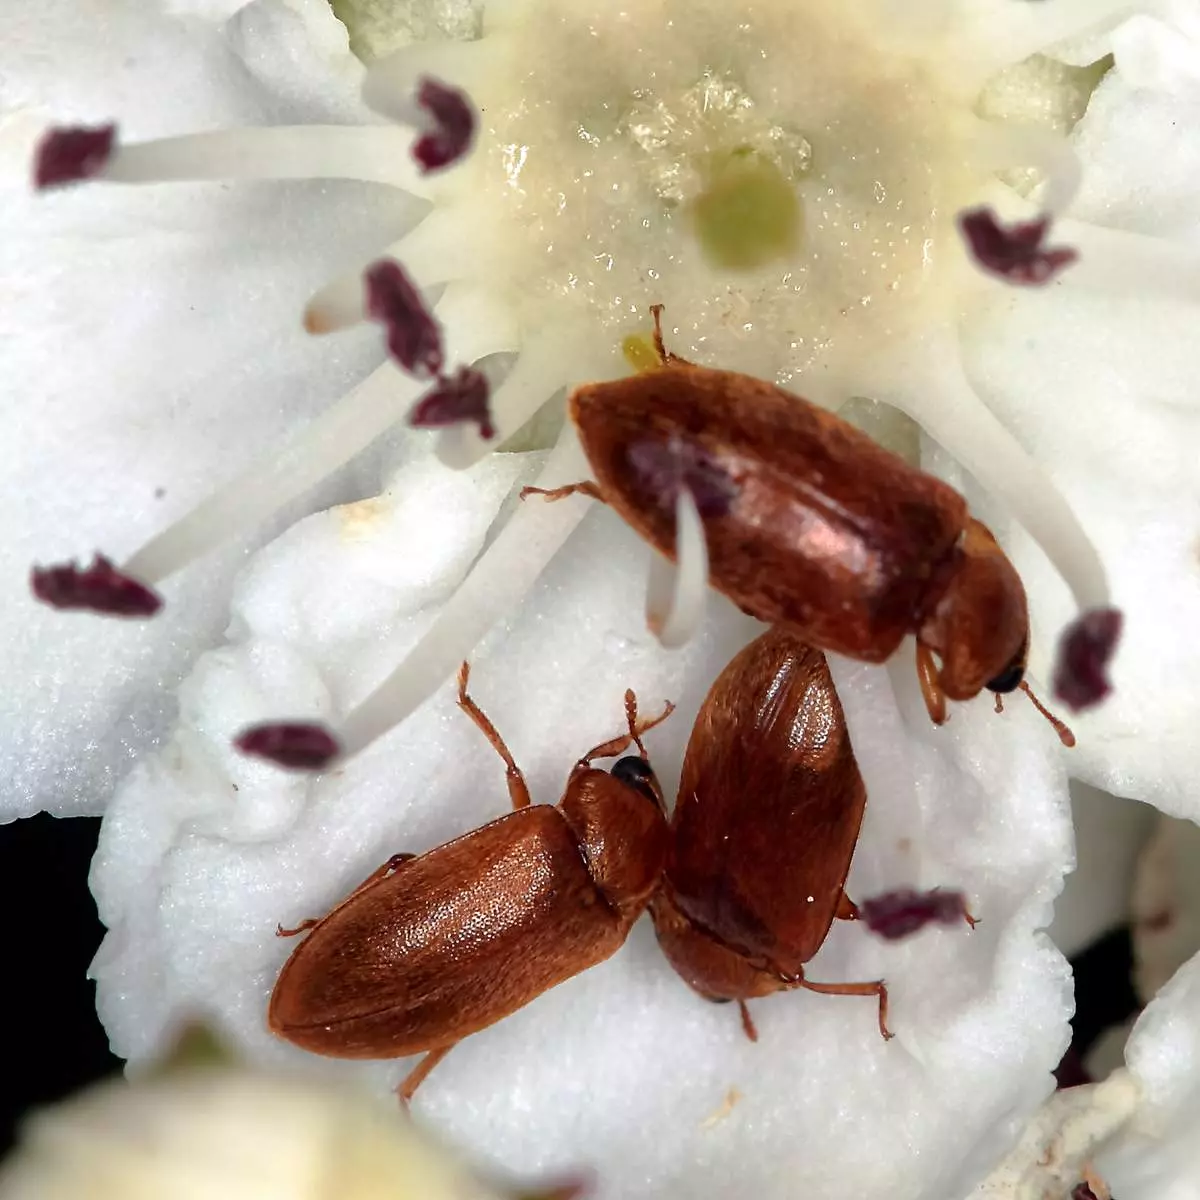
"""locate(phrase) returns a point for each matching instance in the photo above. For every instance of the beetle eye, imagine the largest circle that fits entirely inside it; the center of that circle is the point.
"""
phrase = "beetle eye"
(1008, 680)
(637, 773)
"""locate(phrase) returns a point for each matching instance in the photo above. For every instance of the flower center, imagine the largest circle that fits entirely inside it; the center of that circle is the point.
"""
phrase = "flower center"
(642, 147)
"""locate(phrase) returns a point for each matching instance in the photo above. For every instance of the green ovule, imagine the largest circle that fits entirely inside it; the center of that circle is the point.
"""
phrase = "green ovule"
(196, 1047)
(748, 213)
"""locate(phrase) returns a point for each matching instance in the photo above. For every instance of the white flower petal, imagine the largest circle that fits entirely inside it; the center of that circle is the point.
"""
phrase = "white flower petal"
(152, 342)
(1154, 1158)
(621, 1068)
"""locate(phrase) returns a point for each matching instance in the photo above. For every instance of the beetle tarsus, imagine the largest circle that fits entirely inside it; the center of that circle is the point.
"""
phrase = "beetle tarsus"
(518, 789)
(303, 927)
(847, 910)
(585, 487)
(875, 988)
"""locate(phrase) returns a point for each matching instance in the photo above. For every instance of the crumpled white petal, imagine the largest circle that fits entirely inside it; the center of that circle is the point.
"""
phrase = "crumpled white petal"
(151, 347)
(623, 1069)
(1154, 1157)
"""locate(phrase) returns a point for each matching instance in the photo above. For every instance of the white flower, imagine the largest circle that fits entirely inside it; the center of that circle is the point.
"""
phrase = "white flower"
(227, 1133)
(122, 411)
(357, 616)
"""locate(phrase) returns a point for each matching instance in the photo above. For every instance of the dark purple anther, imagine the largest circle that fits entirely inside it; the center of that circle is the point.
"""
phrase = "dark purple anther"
(664, 467)
(100, 588)
(1084, 651)
(1014, 252)
(297, 745)
(455, 398)
(413, 336)
(898, 913)
(71, 154)
(453, 125)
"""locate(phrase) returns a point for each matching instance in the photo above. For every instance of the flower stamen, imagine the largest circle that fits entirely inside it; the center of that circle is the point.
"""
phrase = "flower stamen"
(100, 588)
(293, 745)
(902, 912)
(1016, 253)
(413, 336)
(72, 154)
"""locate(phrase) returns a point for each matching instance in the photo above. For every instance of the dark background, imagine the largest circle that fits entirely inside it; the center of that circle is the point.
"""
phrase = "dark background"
(51, 932)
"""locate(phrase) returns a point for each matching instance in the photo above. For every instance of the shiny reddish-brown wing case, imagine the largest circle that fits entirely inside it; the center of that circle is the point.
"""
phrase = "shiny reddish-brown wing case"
(828, 532)
(459, 930)
(770, 803)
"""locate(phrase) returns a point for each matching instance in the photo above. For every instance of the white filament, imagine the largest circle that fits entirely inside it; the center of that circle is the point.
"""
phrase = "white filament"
(937, 395)
(475, 327)
(436, 251)
(538, 373)
(675, 592)
(1003, 147)
(370, 153)
(312, 453)
(496, 586)
(391, 83)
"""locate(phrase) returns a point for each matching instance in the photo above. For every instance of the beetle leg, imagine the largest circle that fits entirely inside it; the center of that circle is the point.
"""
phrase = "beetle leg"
(877, 988)
(660, 348)
(303, 927)
(748, 1026)
(417, 1076)
(585, 487)
(931, 689)
(518, 789)
(847, 910)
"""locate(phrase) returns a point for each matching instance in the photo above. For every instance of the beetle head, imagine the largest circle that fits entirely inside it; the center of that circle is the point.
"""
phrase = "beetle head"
(980, 626)
(1013, 675)
(637, 773)
(619, 824)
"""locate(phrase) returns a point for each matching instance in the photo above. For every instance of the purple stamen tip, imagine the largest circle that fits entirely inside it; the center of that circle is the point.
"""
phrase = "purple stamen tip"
(413, 336)
(460, 397)
(1014, 252)
(71, 154)
(901, 912)
(664, 467)
(453, 125)
(100, 588)
(296, 745)
(1084, 651)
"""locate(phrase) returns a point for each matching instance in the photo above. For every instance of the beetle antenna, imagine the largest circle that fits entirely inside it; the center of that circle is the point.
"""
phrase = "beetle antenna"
(1060, 727)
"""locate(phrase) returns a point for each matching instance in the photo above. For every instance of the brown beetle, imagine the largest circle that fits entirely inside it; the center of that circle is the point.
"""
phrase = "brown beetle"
(435, 947)
(808, 522)
(763, 832)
